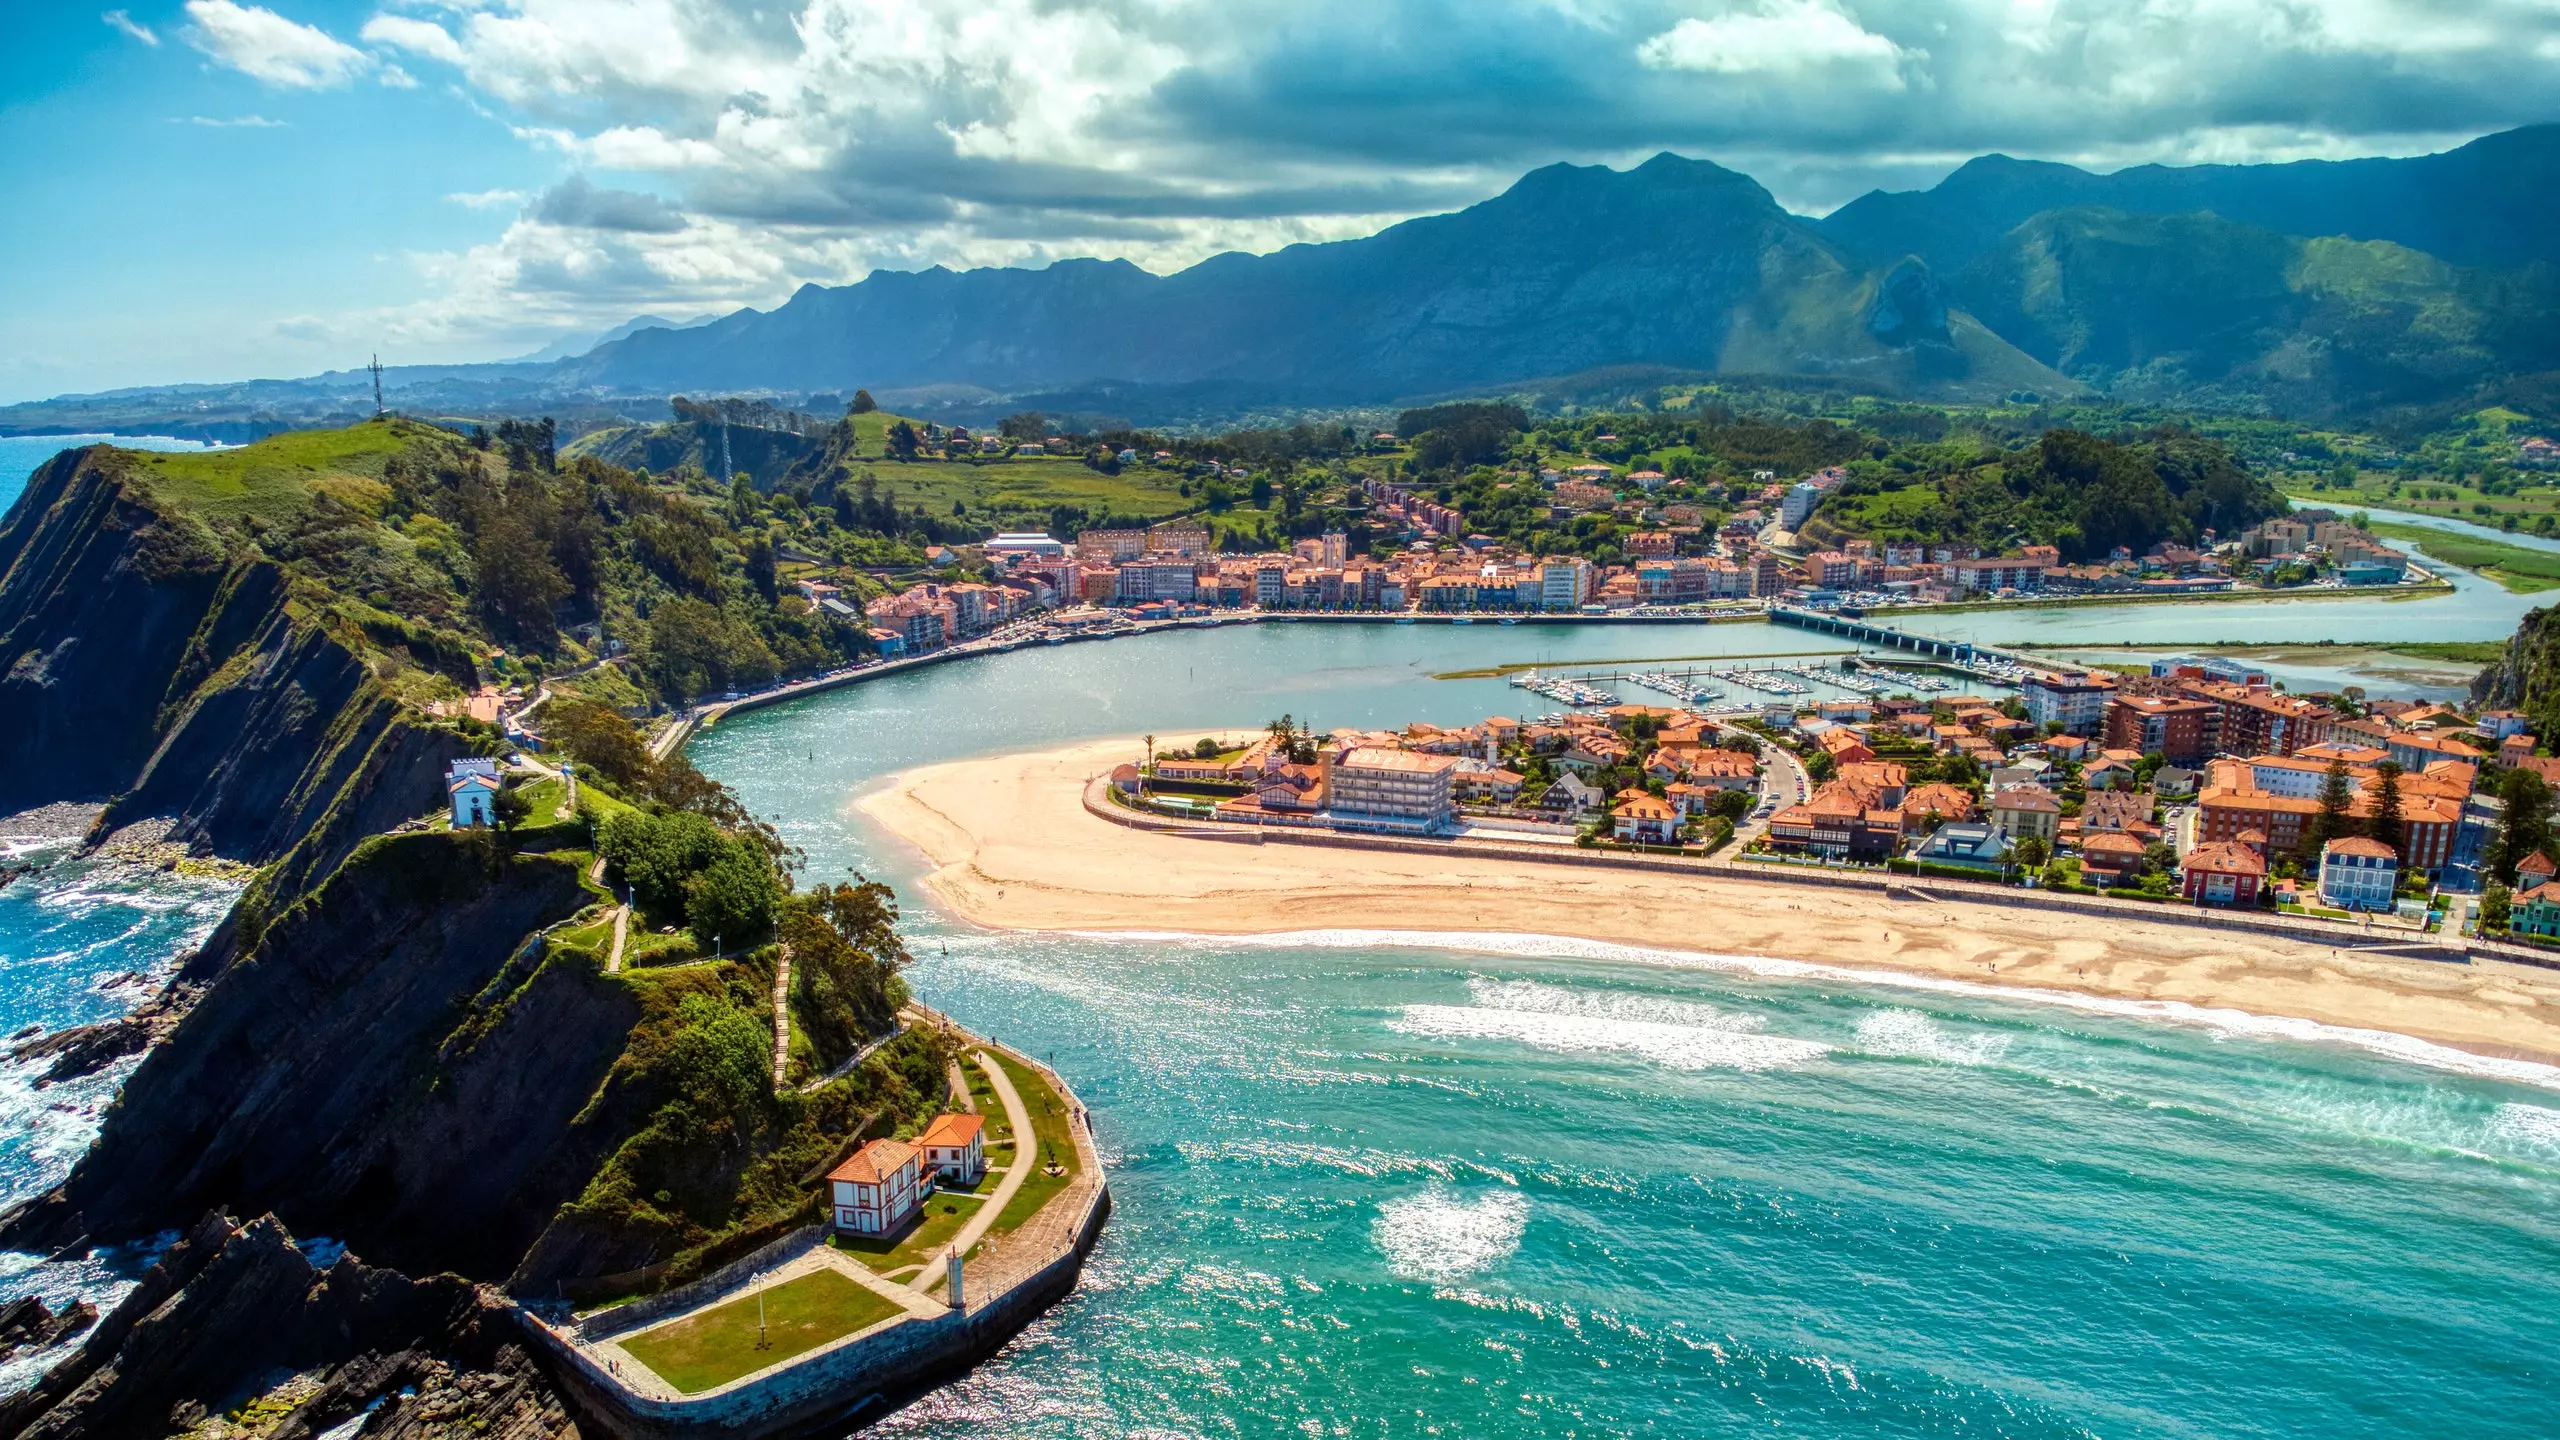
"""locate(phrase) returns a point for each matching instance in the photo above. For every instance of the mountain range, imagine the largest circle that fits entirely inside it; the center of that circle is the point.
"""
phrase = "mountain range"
(2317, 289)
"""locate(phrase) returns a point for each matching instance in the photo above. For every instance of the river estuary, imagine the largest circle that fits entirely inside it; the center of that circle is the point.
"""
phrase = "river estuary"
(1372, 1188)
(1368, 1187)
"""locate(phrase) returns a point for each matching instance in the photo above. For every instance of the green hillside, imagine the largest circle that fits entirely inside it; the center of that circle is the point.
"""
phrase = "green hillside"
(2200, 308)
(439, 546)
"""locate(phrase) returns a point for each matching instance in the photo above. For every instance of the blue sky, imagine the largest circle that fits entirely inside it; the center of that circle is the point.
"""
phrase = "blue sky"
(214, 189)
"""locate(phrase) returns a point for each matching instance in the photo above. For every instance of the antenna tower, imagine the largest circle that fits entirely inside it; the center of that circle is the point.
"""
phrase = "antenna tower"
(376, 368)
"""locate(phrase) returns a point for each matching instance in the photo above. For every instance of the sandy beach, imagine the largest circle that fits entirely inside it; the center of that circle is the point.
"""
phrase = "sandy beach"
(1013, 848)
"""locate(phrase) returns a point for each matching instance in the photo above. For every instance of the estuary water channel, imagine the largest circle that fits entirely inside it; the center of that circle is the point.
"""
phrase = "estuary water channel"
(1371, 1184)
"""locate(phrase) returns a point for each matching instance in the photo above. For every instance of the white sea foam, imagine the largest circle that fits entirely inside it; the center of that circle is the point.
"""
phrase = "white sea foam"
(1684, 1034)
(1908, 1032)
(1435, 1236)
(2529, 1128)
(2406, 1048)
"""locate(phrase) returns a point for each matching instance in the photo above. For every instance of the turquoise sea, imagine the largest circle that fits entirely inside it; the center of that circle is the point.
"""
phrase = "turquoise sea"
(1376, 1185)
(1371, 1186)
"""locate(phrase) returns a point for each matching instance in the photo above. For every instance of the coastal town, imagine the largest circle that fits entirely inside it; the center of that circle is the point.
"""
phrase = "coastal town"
(1678, 565)
(2200, 782)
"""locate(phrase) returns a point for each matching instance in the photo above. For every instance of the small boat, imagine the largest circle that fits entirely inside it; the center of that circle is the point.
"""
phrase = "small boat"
(1407, 620)
(1462, 620)
(1509, 622)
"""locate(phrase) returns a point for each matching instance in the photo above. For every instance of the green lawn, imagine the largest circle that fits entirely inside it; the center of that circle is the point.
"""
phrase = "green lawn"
(1886, 515)
(1053, 1140)
(719, 1345)
(2518, 568)
(274, 478)
(595, 935)
(982, 1096)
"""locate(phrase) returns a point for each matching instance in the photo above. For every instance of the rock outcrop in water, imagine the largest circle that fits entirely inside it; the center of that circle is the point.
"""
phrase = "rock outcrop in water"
(430, 1358)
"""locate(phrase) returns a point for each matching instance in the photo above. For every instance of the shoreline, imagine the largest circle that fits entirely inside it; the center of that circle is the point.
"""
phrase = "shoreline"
(1012, 847)
(683, 725)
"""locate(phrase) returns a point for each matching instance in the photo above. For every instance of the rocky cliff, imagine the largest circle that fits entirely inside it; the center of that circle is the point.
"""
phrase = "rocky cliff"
(381, 1044)
(231, 1302)
(2527, 677)
(142, 664)
(391, 1062)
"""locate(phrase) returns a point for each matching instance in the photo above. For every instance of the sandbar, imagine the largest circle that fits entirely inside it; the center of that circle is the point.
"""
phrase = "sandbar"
(1013, 848)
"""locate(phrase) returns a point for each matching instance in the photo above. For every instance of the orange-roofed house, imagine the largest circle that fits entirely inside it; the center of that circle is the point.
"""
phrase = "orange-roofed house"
(2534, 869)
(2111, 857)
(956, 1146)
(1846, 746)
(1925, 807)
(878, 1189)
(2227, 872)
(1725, 769)
(1645, 820)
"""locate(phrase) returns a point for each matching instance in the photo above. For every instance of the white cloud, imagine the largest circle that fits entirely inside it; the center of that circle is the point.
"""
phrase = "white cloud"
(241, 122)
(395, 78)
(815, 140)
(270, 49)
(645, 147)
(419, 37)
(1785, 38)
(130, 26)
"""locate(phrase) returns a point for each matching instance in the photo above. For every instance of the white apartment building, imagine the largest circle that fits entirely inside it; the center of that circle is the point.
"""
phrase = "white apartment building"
(1157, 580)
(1798, 506)
(1394, 788)
(2079, 703)
(1564, 584)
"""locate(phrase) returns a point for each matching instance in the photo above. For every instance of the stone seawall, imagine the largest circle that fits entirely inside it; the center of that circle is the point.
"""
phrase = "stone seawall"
(863, 1375)
(641, 1313)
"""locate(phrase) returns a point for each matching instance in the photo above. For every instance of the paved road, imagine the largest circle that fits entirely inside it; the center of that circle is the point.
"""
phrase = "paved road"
(1026, 1153)
(1782, 780)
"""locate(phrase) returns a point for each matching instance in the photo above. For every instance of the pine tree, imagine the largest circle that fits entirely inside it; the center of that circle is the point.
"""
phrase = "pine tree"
(2330, 821)
(2524, 825)
(2386, 806)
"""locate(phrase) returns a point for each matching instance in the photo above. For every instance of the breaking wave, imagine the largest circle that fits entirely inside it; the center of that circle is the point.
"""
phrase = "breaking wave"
(2224, 1021)
(1433, 1235)
(1682, 1034)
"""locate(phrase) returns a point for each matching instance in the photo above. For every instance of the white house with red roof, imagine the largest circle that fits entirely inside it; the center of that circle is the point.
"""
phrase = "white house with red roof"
(955, 1146)
(877, 1189)
(471, 786)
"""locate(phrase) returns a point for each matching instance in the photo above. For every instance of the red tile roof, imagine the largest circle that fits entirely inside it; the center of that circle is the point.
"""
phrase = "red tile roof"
(874, 1162)
(952, 1130)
